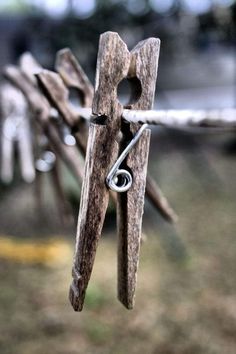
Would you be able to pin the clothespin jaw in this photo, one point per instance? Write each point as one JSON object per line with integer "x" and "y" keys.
{"x": 57, "y": 94}
{"x": 114, "y": 64}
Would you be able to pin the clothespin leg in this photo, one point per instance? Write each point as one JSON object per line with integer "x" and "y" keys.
{"x": 143, "y": 68}
{"x": 93, "y": 205}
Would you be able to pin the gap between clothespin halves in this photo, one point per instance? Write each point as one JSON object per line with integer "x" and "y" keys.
{"x": 114, "y": 64}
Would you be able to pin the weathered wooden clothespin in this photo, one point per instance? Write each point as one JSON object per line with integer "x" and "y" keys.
{"x": 16, "y": 130}
{"x": 114, "y": 64}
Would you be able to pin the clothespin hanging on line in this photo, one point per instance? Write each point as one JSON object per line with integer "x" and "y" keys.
{"x": 56, "y": 88}
{"x": 114, "y": 64}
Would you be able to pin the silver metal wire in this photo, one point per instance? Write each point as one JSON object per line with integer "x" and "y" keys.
{"x": 120, "y": 180}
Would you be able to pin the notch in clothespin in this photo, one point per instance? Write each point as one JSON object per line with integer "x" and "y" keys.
{"x": 114, "y": 64}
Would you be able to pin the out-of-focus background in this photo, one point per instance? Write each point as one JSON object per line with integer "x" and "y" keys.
{"x": 186, "y": 293}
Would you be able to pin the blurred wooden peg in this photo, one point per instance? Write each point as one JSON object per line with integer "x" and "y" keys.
{"x": 73, "y": 75}
{"x": 16, "y": 131}
{"x": 56, "y": 87}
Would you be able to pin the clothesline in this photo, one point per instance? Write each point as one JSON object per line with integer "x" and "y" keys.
{"x": 176, "y": 118}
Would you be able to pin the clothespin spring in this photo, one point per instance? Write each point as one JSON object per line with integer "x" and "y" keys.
{"x": 120, "y": 180}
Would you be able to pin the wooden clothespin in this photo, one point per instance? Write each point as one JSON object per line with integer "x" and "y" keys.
{"x": 16, "y": 130}
{"x": 56, "y": 88}
{"x": 114, "y": 64}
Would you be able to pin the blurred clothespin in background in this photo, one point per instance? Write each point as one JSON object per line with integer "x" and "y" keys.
{"x": 56, "y": 87}
{"x": 16, "y": 134}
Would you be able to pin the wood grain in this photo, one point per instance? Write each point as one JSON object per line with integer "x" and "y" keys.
{"x": 58, "y": 94}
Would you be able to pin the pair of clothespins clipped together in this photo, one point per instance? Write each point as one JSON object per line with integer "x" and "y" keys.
{"x": 114, "y": 64}
{"x": 15, "y": 133}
